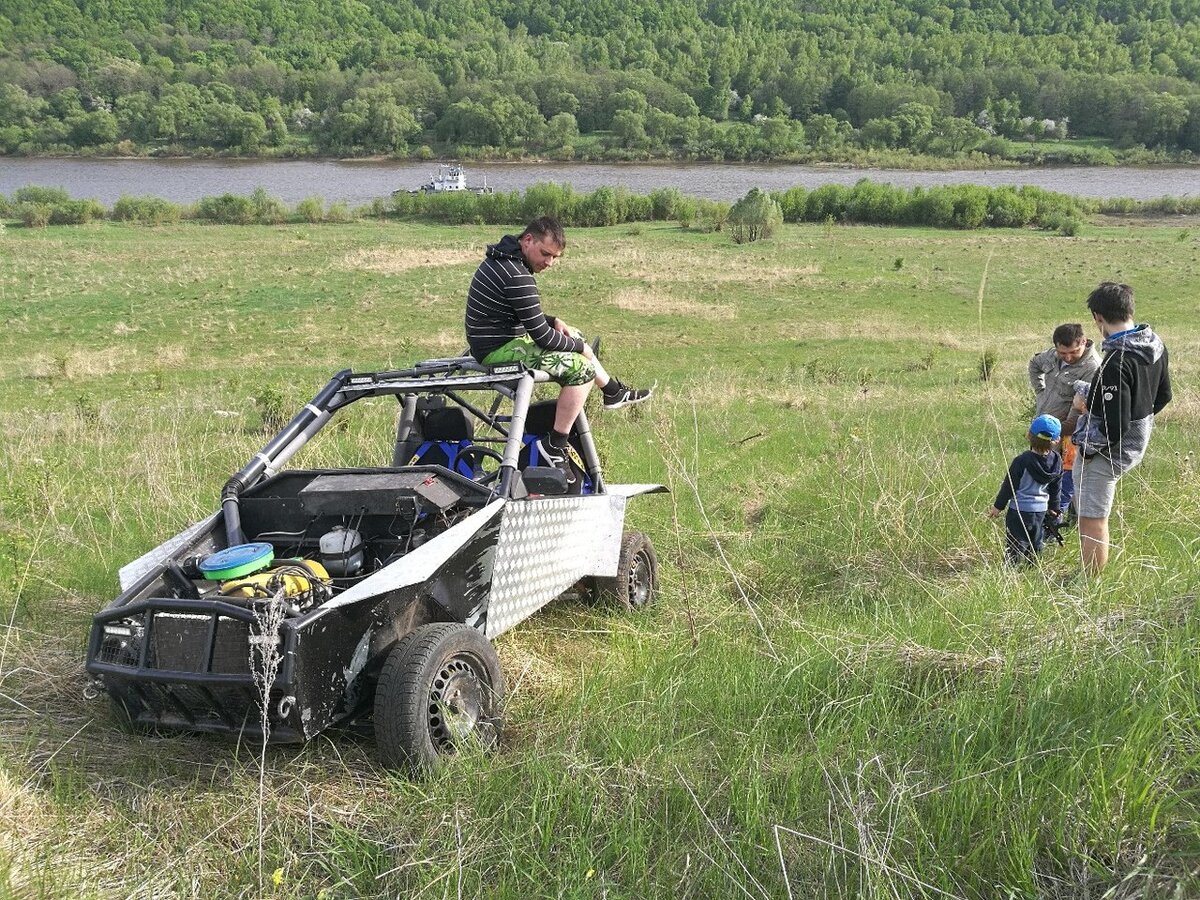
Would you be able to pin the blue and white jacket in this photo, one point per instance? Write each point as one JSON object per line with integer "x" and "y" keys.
{"x": 1032, "y": 483}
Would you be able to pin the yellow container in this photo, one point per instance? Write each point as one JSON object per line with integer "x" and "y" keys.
{"x": 260, "y": 584}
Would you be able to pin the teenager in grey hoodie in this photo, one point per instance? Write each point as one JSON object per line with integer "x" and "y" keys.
{"x": 1117, "y": 416}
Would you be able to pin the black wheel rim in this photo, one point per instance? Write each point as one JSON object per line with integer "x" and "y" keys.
{"x": 641, "y": 580}
{"x": 460, "y": 704}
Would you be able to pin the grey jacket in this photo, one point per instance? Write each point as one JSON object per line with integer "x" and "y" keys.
{"x": 1052, "y": 381}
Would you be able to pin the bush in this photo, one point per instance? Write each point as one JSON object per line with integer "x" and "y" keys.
{"x": 146, "y": 211}
{"x": 76, "y": 212}
{"x": 874, "y": 203}
{"x": 829, "y": 201}
{"x": 34, "y": 215}
{"x": 792, "y": 203}
{"x": 665, "y": 203}
{"x": 227, "y": 209}
{"x": 599, "y": 208}
{"x": 548, "y": 199}
{"x": 755, "y": 216}
{"x": 339, "y": 213}
{"x": 970, "y": 206}
{"x": 933, "y": 208}
{"x": 1008, "y": 209}
{"x": 268, "y": 210}
{"x": 311, "y": 209}
{"x": 44, "y": 195}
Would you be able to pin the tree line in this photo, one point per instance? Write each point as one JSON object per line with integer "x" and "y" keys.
{"x": 603, "y": 79}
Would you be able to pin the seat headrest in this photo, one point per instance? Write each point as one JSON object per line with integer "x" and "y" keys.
{"x": 452, "y": 423}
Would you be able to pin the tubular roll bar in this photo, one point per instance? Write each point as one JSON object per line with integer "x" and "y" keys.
{"x": 434, "y": 375}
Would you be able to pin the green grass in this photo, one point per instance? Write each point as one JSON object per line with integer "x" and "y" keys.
{"x": 841, "y": 692}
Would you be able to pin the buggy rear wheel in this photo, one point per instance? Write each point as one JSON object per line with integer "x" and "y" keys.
{"x": 636, "y": 584}
{"x": 440, "y": 690}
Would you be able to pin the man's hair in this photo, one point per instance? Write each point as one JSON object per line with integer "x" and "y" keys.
{"x": 1040, "y": 444}
{"x": 1068, "y": 334}
{"x": 546, "y": 227}
{"x": 1112, "y": 302}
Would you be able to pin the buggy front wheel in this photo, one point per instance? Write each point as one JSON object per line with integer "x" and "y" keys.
{"x": 440, "y": 690}
{"x": 636, "y": 584}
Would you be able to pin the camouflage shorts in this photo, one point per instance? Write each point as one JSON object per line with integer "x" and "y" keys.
{"x": 565, "y": 368}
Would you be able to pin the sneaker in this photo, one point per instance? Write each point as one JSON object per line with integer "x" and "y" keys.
{"x": 549, "y": 455}
{"x": 625, "y": 396}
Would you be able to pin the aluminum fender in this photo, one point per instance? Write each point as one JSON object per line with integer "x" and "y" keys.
{"x": 546, "y": 546}
{"x": 131, "y": 573}
{"x": 635, "y": 490}
{"x": 420, "y": 565}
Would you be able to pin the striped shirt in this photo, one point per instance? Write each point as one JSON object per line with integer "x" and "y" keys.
{"x": 503, "y": 303}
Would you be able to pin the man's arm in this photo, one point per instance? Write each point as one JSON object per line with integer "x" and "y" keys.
{"x": 1162, "y": 396}
{"x": 1037, "y": 374}
{"x": 521, "y": 291}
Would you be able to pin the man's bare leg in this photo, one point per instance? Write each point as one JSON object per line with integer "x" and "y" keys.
{"x": 1093, "y": 537}
{"x": 570, "y": 402}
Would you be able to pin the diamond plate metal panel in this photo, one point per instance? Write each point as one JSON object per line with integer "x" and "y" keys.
{"x": 130, "y": 574}
{"x": 546, "y": 546}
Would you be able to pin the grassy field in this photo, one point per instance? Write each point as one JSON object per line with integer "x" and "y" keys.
{"x": 841, "y": 693}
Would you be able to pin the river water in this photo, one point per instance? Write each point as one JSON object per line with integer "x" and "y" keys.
{"x": 184, "y": 181}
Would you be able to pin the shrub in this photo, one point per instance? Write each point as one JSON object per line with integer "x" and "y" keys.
{"x": 268, "y": 210}
{"x": 146, "y": 211}
{"x": 311, "y": 209}
{"x": 685, "y": 212}
{"x": 227, "y": 209}
{"x": 934, "y": 208}
{"x": 874, "y": 203}
{"x": 987, "y": 364}
{"x": 499, "y": 209}
{"x": 599, "y": 208}
{"x": 664, "y": 203}
{"x": 792, "y": 203}
{"x": 34, "y": 215}
{"x": 339, "y": 213}
{"x": 76, "y": 212}
{"x": 755, "y": 216}
{"x": 1008, "y": 209}
{"x": 45, "y": 195}
{"x": 711, "y": 214}
{"x": 827, "y": 201}
{"x": 548, "y": 199}
{"x": 970, "y": 206}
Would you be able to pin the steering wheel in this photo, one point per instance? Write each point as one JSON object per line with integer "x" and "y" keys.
{"x": 478, "y": 450}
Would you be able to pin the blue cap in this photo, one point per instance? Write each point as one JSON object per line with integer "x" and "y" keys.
{"x": 1046, "y": 427}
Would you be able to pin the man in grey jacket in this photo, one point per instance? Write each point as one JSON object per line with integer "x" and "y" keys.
{"x": 1052, "y": 373}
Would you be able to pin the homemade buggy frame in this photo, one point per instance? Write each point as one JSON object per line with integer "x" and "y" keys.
{"x": 390, "y": 582}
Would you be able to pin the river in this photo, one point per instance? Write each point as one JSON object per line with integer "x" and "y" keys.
{"x": 184, "y": 181}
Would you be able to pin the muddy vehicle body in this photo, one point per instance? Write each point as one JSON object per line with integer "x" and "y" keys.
{"x": 323, "y": 596}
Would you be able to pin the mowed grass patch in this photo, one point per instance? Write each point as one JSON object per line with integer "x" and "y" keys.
{"x": 841, "y": 692}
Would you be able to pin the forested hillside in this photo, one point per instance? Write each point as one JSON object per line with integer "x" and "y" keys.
{"x": 724, "y": 79}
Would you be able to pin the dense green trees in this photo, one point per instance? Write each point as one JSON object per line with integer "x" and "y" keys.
{"x": 597, "y": 78}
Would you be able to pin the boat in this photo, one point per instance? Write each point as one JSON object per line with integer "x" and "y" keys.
{"x": 450, "y": 179}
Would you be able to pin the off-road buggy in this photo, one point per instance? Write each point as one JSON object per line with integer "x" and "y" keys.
{"x": 372, "y": 595}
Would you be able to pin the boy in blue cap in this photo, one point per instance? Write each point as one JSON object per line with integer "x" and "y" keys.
{"x": 1030, "y": 490}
